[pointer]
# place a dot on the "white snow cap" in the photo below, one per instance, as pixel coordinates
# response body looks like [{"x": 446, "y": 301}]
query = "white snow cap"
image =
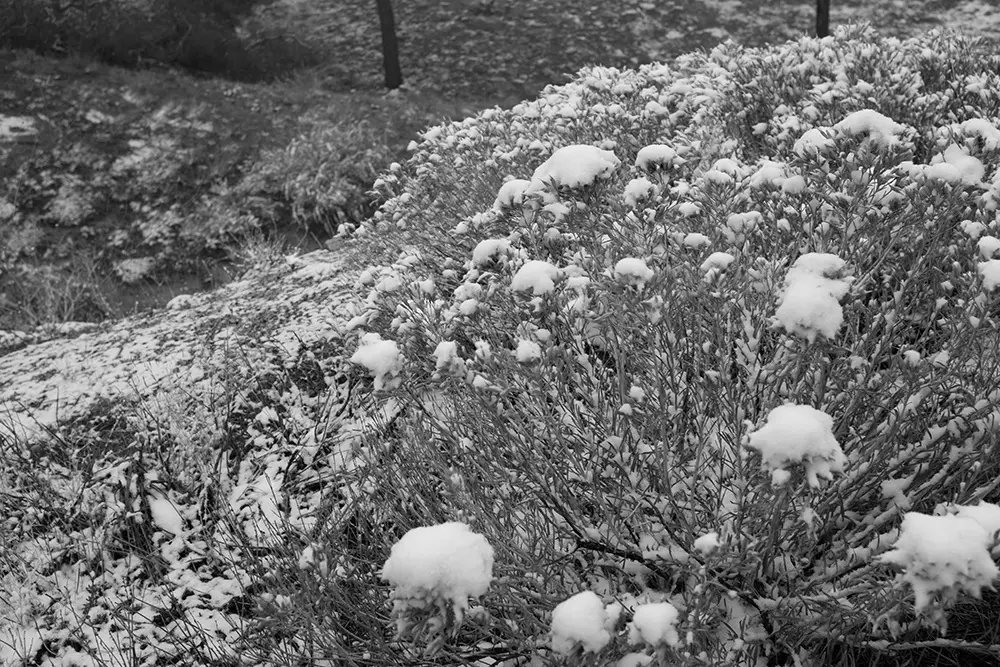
[
  {"x": 573, "y": 167},
  {"x": 654, "y": 624},
  {"x": 717, "y": 260},
  {"x": 489, "y": 249},
  {"x": 988, "y": 246},
  {"x": 882, "y": 130},
  {"x": 446, "y": 561},
  {"x": 448, "y": 359},
  {"x": 511, "y": 194},
  {"x": 382, "y": 359},
  {"x": 943, "y": 554},
  {"x": 707, "y": 543},
  {"x": 990, "y": 271},
  {"x": 528, "y": 351},
  {"x": 656, "y": 156},
  {"x": 813, "y": 141},
  {"x": 956, "y": 165},
  {"x": 580, "y": 621},
  {"x": 809, "y": 305},
  {"x": 633, "y": 271},
  {"x": 536, "y": 275},
  {"x": 798, "y": 434},
  {"x": 638, "y": 190}
]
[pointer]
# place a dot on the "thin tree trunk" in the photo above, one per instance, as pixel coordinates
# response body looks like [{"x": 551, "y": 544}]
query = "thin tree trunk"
[
  {"x": 822, "y": 18},
  {"x": 390, "y": 45}
]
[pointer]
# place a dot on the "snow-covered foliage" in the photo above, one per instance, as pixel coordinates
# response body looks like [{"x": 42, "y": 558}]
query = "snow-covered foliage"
[
  {"x": 612, "y": 326},
  {"x": 752, "y": 271}
]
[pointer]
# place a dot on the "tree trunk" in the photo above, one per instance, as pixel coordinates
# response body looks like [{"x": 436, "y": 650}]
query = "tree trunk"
[
  {"x": 822, "y": 18},
  {"x": 390, "y": 45}
]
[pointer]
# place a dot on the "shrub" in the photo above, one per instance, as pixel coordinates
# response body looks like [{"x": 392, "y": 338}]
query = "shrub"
[{"x": 606, "y": 299}]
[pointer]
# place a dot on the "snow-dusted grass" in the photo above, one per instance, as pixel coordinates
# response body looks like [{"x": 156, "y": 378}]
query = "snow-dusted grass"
[{"x": 669, "y": 366}]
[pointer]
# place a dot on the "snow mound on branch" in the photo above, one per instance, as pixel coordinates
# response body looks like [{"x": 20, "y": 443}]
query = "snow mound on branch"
[
  {"x": 580, "y": 621},
  {"x": 382, "y": 359},
  {"x": 633, "y": 271},
  {"x": 942, "y": 555},
  {"x": 448, "y": 561},
  {"x": 810, "y": 303},
  {"x": 536, "y": 275},
  {"x": 654, "y": 624},
  {"x": 798, "y": 434},
  {"x": 573, "y": 167}
]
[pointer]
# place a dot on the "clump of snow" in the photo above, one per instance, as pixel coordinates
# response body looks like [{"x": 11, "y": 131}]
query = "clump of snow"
[
  {"x": 990, "y": 271},
  {"x": 988, "y": 246},
  {"x": 447, "y": 561},
  {"x": 581, "y": 622},
  {"x": 707, "y": 543},
  {"x": 447, "y": 357},
  {"x": 536, "y": 275},
  {"x": 657, "y": 156},
  {"x": 814, "y": 141},
  {"x": 962, "y": 166},
  {"x": 696, "y": 240},
  {"x": 810, "y": 302},
  {"x": 942, "y": 555},
  {"x": 528, "y": 351},
  {"x": 633, "y": 271},
  {"x": 880, "y": 129},
  {"x": 511, "y": 194},
  {"x": 574, "y": 166},
  {"x": 489, "y": 249},
  {"x": 638, "y": 190},
  {"x": 798, "y": 434},
  {"x": 654, "y": 625},
  {"x": 717, "y": 260},
  {"x": 986, "y": 515},
  {"x": 382, "y": 358}
]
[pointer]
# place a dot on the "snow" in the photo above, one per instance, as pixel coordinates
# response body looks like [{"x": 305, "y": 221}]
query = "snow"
[
  {"x": 580, "y": 621},
  {"x": 812, "y": 142},
  {"x": 382, "y": 358},
  {"x": 447, "y": 358},
  {"x": 574, "y": 166},
  {"x": 798, "y": 434},
  {"x": 809, "y": 305},
  {"x": 489, "y": 249},
  {"x": 990, "y": 271},
  {"x": 638, "y": 190},
  {"x": 633, "y": 271},
  {"x": 528, "y": 351},
  {"x": 717, "y": 260},
  {"x": 882, "y": 130},
  {"x": 985, "y": 130},
  {"x": 707, "y": 543},
  {"x": 656, "y": 156},
  {"x": 988, "y": 246},
  {"x": 986, "y": 515},
  {"x": 536, "y": 275},
  {"x": 696, "y": 240},
  {"x": 446, "y": 561},
  {"x": 165, "y": 514},
  {"x": 654, "y": 624},
  {"x": 511, "y": 194},
  {"x": 942, "y": 555},
  {"x": 955, "y": 164}
]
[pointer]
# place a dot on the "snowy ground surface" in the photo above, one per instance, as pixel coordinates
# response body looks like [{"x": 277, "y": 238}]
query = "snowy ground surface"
[{"x": 62, "y": 373}]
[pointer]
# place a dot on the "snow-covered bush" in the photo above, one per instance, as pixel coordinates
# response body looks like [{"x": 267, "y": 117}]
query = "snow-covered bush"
[{"x": 628, "y": 311}]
